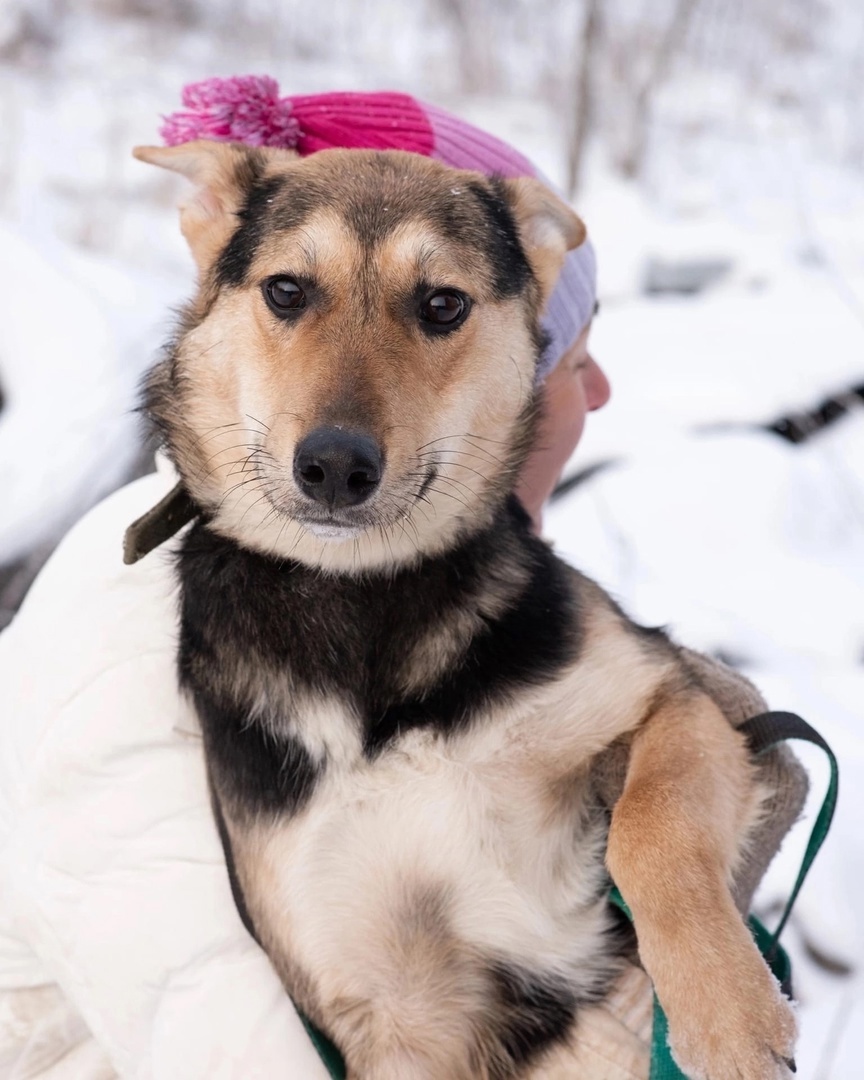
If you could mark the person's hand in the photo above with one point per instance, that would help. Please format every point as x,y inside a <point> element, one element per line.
<point>575,387</point>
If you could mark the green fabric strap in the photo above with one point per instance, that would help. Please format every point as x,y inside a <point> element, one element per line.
<point>762,732</point>
<point>767,730</point>
<point>662,1065</point>
<point>326,1050</point>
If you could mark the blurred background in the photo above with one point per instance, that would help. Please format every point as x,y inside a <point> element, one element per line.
<point>715,149</point>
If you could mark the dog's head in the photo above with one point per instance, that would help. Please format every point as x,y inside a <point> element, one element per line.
<point>354,383</point>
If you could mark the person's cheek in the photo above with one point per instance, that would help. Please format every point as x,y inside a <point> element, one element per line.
<point>572,408</point>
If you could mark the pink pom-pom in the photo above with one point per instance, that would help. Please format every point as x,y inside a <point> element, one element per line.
<point>246,109</point>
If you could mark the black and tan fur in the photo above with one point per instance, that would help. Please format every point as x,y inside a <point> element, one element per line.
<point>401,700</point>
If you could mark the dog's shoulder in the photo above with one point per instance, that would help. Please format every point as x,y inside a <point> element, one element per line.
<point>615,673</point>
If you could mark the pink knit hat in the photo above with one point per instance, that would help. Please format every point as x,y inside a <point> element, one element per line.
<point>248,109</point>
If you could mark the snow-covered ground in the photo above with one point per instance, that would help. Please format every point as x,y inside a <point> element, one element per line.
<point>744,544</point>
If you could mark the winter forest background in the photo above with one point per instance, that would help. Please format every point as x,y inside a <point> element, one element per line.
<point>715,149</point>
<point>706,143</point>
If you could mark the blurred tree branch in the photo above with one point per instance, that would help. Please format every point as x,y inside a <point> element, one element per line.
<point>661,59</point>
<point>583,88</point>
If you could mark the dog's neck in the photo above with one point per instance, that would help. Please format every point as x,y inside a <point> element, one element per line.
<point>380,552</point>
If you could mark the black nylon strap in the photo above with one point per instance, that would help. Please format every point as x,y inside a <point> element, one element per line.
<point>770,728</point>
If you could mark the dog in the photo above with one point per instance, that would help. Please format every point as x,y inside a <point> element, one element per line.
<point>402,690</point>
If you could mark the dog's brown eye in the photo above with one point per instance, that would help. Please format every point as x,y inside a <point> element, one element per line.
<point>284,296</point>
<point>444,310</point>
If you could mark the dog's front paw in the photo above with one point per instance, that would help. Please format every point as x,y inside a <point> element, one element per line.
<point>735,1024</point>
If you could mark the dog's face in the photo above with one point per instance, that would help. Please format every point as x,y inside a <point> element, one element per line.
<point>354,384</point>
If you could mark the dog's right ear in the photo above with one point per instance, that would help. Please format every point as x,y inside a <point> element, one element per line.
<point>222,174</point>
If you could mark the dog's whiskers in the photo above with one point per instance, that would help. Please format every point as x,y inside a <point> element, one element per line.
<point>459,465</point>
<point>440,475</point>
<point>410,539</point>
<point>463,435</point>
<point>226,429</point>
<point>233,488</point>
<point>459,483</point>
<point>222,464</point>
<point>201,476</point>
<point>488,453</point>
<point>385,533</point>
<point>408,521</point>
<point>244,468</point>
<point>449,495</point>
<point>419,496</point>
<point>485,438</point>
<point>208,434</point>
<point>462,453</point>
<point>285,412</point>
<point>260,499</point>
<point>432,455</point>
<point>256,421</point>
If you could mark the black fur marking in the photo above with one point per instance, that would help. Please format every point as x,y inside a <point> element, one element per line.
<point>247,763</point>
<point>532,641</point>
<point>234,262</point>
<point>250,767</point>
<point>542,342</point>
<point>348,638</point>
<point>502,246</point>
<point>272,204</point>
<point>540,1010</point>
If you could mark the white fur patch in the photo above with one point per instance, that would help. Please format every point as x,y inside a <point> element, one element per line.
<point>325,726</point>
<point>407,871</point>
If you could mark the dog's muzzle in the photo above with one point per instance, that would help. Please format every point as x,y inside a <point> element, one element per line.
<point>337,468</point>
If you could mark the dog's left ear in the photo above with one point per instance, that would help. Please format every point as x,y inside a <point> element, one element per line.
<point>549,228</point>
<point>222,174</point>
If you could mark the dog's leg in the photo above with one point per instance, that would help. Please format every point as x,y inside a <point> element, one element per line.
<point>676,833</point>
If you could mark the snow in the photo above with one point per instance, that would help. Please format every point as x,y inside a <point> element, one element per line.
<point>47,449</point>
<point>741,543</point>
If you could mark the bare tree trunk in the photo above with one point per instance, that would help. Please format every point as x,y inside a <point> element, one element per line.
<point>478,72</point>
<point>633,157</point>
<point>583,90</point>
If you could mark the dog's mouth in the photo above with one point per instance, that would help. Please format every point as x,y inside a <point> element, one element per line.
<point>332,530</point>
<point>348,523</point>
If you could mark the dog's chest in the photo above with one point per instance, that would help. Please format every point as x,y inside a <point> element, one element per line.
<point>334,670</point>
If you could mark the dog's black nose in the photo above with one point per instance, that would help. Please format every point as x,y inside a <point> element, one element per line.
<point>336,467</point>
